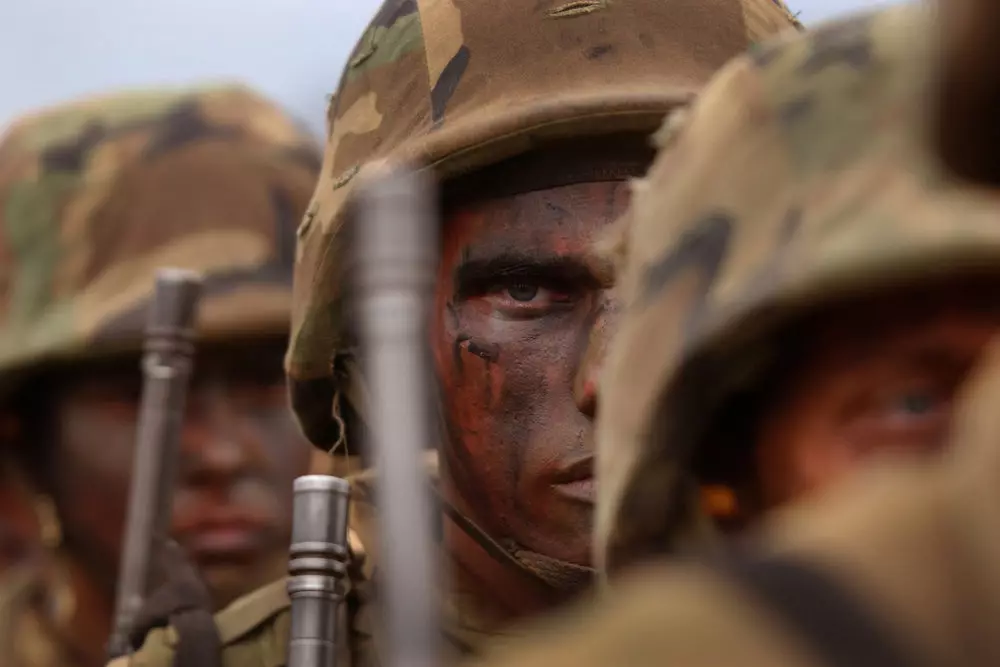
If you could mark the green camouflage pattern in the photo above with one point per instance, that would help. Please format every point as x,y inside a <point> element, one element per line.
<point>456,85</point>
<point>97,194</point>
<point>806,176</point>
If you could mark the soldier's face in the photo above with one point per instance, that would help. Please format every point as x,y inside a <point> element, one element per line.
<point>240,451</point>
<point>875,379</point>
<point>519,297</point>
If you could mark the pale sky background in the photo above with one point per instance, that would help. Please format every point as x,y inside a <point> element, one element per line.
<point>291,50</point>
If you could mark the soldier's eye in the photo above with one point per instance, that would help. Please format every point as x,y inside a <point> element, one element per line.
<point>522,292</point>
<point>909,407</point>
<point>916,403</point>
<point>521,287</point>
<point>529,298</point>
<point>913,416</point>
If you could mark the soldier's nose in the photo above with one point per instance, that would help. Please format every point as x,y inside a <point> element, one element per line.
<point>215,445</point>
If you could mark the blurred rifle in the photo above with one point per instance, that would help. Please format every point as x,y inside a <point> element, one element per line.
<point>166,367</point>
<point>396,266</point>
<point>394,272</point>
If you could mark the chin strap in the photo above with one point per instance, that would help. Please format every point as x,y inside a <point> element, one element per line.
<point>555,577</point>
<point>559,577</point>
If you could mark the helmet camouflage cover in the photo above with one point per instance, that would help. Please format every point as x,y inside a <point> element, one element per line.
<point>458,85</point>
<point>807,177</point>
<point>98,194</point>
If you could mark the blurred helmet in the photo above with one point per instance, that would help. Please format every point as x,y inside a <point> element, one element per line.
<point>807,178</point>
<point>98,194</point>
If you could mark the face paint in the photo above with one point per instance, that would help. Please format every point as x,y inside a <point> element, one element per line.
<point>519,297</point>
<point>240,451</point>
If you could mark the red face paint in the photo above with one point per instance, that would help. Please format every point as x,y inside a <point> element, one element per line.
<point>519,297</point>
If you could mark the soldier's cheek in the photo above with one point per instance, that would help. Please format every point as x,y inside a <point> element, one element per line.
<point>474,381</point>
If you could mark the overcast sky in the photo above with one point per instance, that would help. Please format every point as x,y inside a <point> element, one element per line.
<point>292,50</point>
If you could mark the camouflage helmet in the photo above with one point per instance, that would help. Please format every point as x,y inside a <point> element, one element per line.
<point>458,85</point>
<point>807,178</point>
<point>96,195</point>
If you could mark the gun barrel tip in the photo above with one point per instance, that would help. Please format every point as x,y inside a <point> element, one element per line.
<point>176,275</point>
<point>321,483</point>
<point>387,178</point>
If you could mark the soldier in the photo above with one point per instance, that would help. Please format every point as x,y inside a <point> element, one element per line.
<point>812,293</point>
<point>534,116</point>
<point>96,195</point>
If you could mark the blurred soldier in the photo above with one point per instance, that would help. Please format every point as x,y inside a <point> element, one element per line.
<point>94,197</point>
<point>811,295</point>
<point>534,115</point>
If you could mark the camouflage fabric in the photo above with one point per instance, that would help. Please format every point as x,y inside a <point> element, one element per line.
<point>806,178</point>
<point>96,195</point>
<point>457,85</point>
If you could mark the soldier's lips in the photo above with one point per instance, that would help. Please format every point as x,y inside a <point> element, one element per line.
<point>584,490</point>
<point>576,480</point>
<point>224,537</point>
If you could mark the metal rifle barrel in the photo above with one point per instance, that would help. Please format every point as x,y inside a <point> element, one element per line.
<point>166,366</point>
<point>395,269</point>
<point>317,569</point>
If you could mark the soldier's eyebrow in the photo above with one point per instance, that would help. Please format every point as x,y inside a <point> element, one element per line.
<point>583,271</point>
<point>916,360</point>
<point>929,358</point>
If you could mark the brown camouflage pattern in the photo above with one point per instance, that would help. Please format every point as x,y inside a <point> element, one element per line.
<point>806,177</point>
<point>97,194</point>
<point>456,85</point>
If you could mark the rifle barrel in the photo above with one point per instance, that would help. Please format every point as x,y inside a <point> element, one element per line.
<point>166,367</point>
<point>396,266</point>
<point>317,569</point>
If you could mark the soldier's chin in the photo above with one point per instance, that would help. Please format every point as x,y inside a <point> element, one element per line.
<point>227,582</point>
